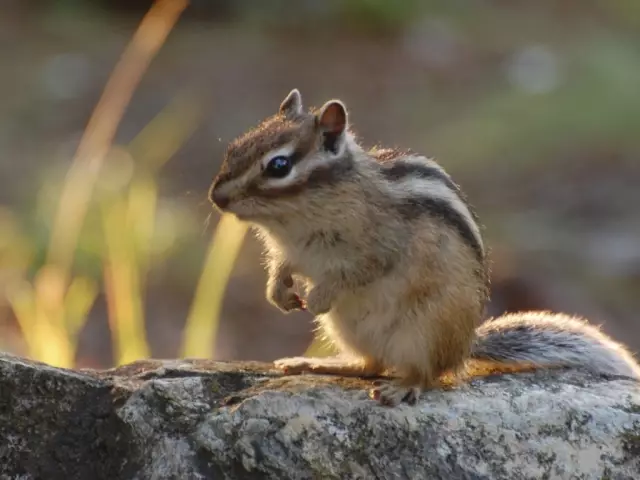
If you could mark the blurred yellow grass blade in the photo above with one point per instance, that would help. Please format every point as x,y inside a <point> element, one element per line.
<point>161,138</point>
<point>49,330</point>
<point>122,281</point>
<point>40,319</point>
<point>129,342</point>
<point>140,220</point>
<point>200,331</point>
<point>22,300</point>
<point>55,346</point>
<point>80,297</point>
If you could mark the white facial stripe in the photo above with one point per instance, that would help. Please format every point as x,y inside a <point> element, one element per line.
<point>277,183</point>
<point>300,171</point>
<point>433,188</point>
<point>235,185</point>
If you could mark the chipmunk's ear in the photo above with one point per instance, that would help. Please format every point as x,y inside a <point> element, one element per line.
<point>291,106</point>
<point>331,120</point>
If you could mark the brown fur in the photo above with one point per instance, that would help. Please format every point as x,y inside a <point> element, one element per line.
<point>387,290</point>
<point>274,132</point>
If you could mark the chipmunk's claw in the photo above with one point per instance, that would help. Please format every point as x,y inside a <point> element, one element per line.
<point>391,395</point>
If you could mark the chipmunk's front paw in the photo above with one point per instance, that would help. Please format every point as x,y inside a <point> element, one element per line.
<point>293,365</point>
<point>290,303</point>
<point>319,300</point>
<point>280,294</point>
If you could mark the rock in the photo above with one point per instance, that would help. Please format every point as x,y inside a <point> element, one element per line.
<point>204,419</point>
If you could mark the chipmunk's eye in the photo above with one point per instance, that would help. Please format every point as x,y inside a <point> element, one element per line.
<point>279,167</point>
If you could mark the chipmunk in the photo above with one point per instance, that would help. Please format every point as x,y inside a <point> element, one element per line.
<point>392,257</point>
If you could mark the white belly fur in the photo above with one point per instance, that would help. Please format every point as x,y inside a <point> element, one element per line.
<point>373,322</point>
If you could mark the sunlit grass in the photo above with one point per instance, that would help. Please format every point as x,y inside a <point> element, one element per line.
<point>53,308</point>
<point>123,284</point>
<point>129,226</point>
<point>49,318</point>
<point>202,323</point>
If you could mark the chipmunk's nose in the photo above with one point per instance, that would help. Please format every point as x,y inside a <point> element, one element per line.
<point>220,199</point>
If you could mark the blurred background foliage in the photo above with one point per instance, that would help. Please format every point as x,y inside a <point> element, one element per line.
<point>534,107</point>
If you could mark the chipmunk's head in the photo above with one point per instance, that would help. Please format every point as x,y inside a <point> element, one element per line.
<point>268,171</point>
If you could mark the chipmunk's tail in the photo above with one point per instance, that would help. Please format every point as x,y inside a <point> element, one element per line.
<point>548,340</point>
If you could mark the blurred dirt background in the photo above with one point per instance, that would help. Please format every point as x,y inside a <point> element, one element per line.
<point>534,108</point>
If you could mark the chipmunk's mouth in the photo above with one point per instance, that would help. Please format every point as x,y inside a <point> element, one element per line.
<point>238,213</point>
<point>243,208</point>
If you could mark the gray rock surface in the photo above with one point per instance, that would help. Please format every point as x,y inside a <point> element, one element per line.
<point>205,419</point>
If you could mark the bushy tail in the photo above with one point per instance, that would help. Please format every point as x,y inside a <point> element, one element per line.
<point>545,339</point>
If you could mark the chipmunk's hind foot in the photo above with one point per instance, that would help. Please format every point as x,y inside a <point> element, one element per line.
<point>393,394</point>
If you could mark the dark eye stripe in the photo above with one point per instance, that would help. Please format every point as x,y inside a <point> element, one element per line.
<point>330,174</point>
